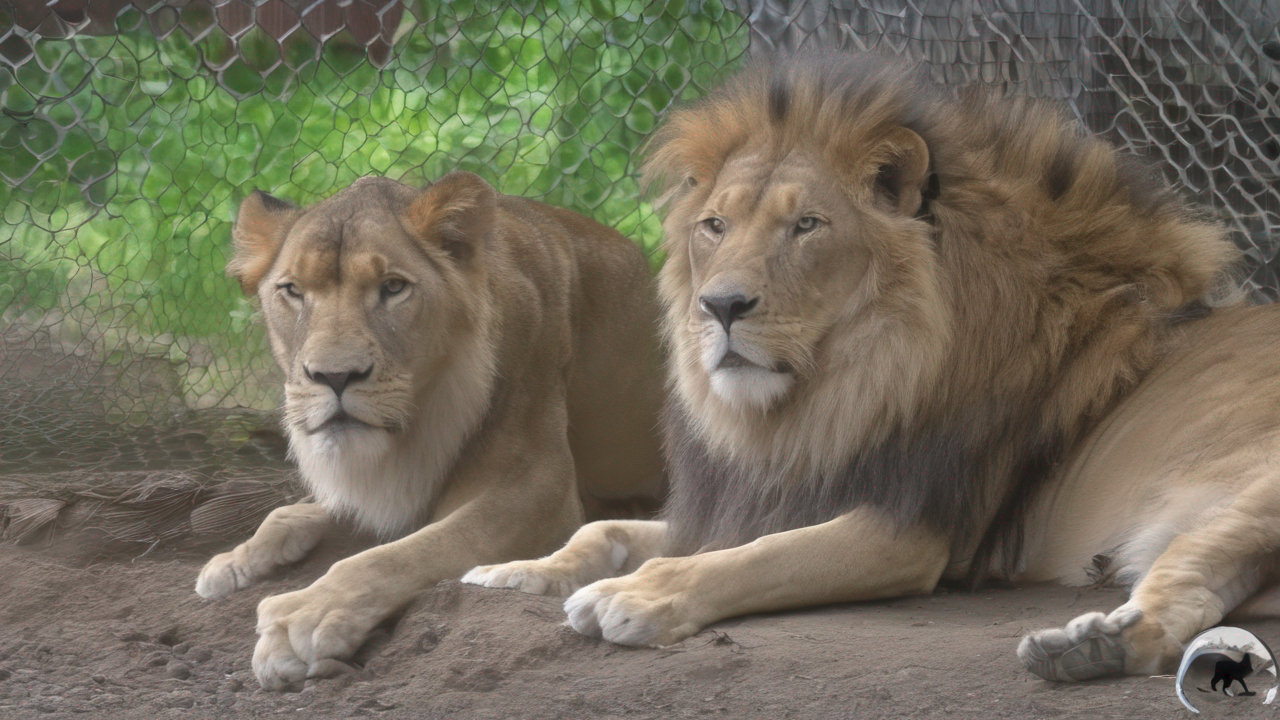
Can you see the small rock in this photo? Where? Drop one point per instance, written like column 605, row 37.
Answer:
column 235, row 685
column 100, row 679
column 177, row 669
column 200, row 654
column 4, row 674
column 426, row 642
column 156, row 659
column 375, row 705
column 168, row 637
column 181, row 648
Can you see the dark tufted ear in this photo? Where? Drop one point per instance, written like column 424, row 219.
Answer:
column 904, row 174
column 454, row 214
column 261, row 225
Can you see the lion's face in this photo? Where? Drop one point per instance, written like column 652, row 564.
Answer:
column 371, row 300
column 775, row 254
column 779, row 252
column 355, row 313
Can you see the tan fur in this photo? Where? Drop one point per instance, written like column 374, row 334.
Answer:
column 500, row 366
column 998, row 332
column 922, row 339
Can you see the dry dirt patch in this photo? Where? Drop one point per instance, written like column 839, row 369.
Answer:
column 125, row 638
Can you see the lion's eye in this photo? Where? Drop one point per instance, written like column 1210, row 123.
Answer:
column 291, row 290
column 714, row 225
column 807, row 223
column 393, row 287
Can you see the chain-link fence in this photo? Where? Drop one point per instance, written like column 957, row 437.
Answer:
column 131, row 130
column 1193, row 84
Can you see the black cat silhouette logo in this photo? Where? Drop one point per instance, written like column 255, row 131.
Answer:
column 1228, row 670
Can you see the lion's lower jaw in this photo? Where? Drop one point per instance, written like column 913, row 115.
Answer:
column 749, row 387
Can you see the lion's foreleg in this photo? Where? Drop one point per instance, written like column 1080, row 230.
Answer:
column 858, row 556
column 598, row 550
column 286, row 535
column 515, row 497
column 1192, row 585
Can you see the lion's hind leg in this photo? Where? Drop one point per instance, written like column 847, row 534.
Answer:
column 596, row 551
column 286, row 535
column 1201, row 576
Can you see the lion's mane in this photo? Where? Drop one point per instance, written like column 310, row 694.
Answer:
column 1045, row 276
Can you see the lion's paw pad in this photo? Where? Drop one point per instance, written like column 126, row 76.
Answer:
column 1090, row 646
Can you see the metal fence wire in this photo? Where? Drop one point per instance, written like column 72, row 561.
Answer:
column 131, row 130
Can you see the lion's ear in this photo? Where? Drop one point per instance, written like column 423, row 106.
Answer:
column 455, row 214
column 904, row 173
column 261, row 224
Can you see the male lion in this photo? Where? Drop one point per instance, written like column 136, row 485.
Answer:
column 917, row 338
column 454, row 358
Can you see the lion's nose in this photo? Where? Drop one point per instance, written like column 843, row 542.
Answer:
column 337, row 379
column 727, row 308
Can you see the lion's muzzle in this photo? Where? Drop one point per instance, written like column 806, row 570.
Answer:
column 337, row 380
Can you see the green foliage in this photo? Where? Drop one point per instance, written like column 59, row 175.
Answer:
column 123, row 158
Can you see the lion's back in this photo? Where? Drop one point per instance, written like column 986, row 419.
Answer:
column 614, row 374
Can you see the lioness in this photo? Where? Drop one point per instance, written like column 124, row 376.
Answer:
column 917, row 338
column 455, row 358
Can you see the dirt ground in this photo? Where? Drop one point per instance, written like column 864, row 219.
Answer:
column 126, row 637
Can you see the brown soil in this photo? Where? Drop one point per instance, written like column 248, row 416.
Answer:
column 125, row 637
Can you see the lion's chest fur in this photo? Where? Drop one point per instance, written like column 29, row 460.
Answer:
column 954, row 480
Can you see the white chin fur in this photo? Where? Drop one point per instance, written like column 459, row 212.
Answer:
column 750, row 386
column 745, row 386
column 352, row 473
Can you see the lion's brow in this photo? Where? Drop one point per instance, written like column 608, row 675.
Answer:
column 318, row 266
column 337, row 252
column 320, row 259
column 784, row 201
column 766, row 180
column 747, row 199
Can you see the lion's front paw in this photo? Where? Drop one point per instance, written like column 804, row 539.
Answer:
column 224, row 574
column 1090, row 646
column 539, row 577
column 643, row 609
column 311, row 632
